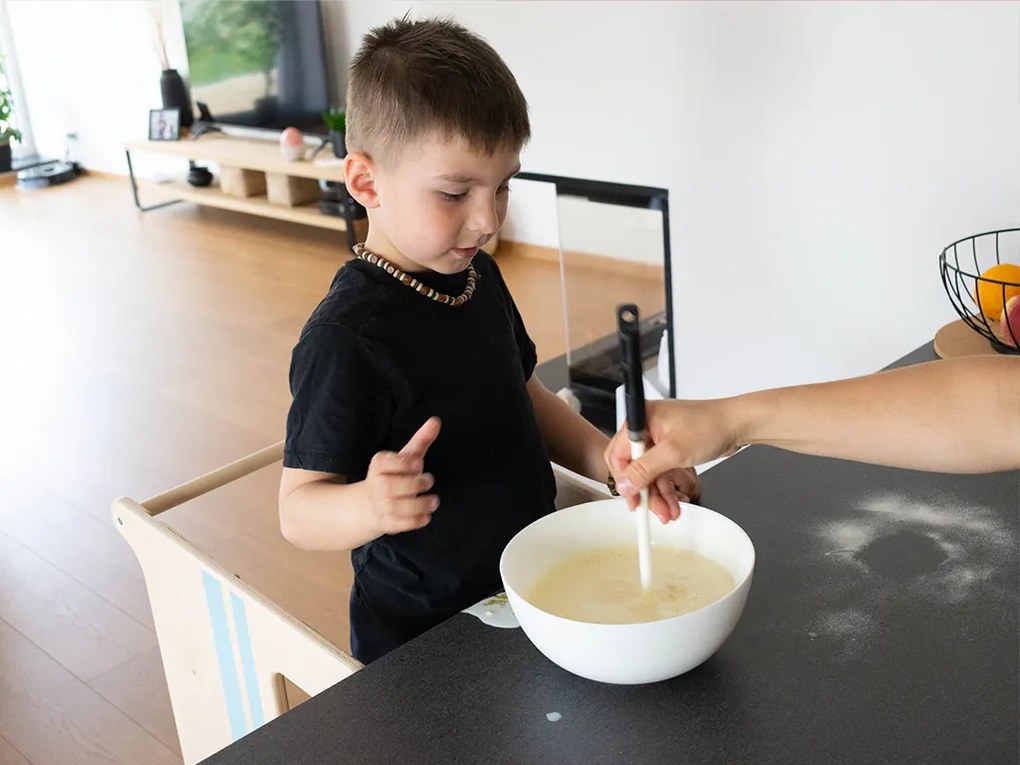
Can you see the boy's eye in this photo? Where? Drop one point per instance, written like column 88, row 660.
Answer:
column 504, row 189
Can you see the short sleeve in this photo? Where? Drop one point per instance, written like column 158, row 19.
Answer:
column 525, row 345
column 341, row 406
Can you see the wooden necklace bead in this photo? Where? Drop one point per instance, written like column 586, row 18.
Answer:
column 417, row 286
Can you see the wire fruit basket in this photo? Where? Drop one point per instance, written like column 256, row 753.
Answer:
column 975, row 296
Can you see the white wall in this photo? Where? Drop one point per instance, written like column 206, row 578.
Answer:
column 817, row 155
column 22, row 119
column 89, row 67
column 612, row 231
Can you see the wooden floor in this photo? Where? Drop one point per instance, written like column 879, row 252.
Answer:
column 139, row 351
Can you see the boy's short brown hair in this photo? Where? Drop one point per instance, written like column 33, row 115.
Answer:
column 412, row 79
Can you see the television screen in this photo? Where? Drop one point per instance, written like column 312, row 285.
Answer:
column 258, row 63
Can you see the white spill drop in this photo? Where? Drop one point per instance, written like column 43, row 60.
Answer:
column 554, row 717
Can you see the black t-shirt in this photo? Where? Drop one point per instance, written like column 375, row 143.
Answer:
column 374, row 362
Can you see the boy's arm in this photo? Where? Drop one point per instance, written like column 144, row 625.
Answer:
column 571, row 440
column 321, row 511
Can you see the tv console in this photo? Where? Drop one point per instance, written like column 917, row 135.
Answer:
column 253, row 178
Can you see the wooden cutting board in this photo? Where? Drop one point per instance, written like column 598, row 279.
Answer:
column 958, row 339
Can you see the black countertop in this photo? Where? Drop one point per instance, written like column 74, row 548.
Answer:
column 882, row 626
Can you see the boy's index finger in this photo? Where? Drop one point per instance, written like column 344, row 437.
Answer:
column 423, row 439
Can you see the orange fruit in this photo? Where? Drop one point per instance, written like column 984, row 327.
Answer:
column 991, row 296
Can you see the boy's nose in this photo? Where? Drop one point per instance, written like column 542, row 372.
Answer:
column 484, row 219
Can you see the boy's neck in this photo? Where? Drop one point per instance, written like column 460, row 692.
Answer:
column 380, row 245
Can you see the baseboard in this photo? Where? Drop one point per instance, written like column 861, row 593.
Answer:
column 508, row 248
column 511, row 249
column 103, row 175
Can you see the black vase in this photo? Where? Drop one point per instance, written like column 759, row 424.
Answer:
column 198, row 176
column 175, row 95
column 5, row 157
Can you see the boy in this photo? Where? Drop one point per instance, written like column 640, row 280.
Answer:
column 417, row 359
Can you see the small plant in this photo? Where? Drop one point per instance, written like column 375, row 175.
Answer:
column 336, row 120
column 7, row 130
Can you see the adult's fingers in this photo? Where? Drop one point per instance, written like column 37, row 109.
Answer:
column 642, row 472
column 657, row 505
column 672, row 495
column 617, row 454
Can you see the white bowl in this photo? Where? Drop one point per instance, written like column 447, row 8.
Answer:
column 626, row 653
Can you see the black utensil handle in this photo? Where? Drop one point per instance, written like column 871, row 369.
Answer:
column 628, row 326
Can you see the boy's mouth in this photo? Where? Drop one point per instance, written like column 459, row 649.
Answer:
column 465, row 252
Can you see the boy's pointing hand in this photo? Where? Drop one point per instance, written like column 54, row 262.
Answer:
column 396, row 484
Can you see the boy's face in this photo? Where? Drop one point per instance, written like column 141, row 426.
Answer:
column 434, row 205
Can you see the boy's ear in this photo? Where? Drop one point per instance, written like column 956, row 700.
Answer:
column 359, row 175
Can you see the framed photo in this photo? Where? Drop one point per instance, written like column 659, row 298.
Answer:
column 164, row 124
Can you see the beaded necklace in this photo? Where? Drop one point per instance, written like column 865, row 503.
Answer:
column 410, row 281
